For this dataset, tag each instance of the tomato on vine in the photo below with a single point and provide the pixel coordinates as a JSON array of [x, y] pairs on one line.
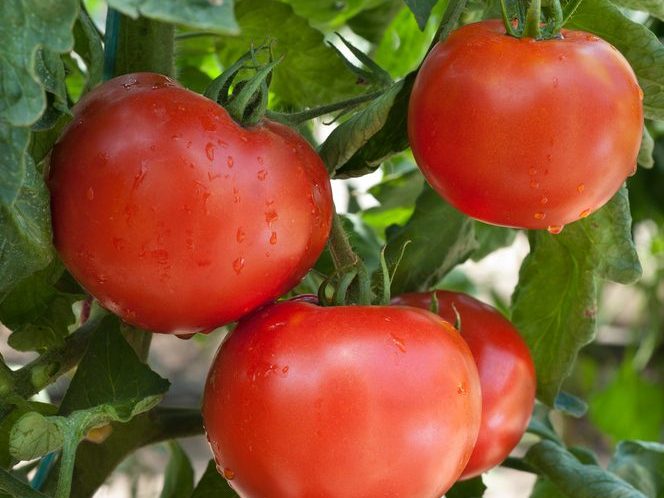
[[507, 373], [347, 402], [174, 216], [521, 132]]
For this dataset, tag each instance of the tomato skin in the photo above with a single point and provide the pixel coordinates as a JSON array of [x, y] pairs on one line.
[[507, 373], [350, 402], [524, 133], [175, 217]]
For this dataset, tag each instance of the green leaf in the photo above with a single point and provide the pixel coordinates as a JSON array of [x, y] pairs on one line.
[[211, 15], [630, 407], [111, 377], [27, 26], [8, 422], [371, 24], [472, 488], [642, 465], [212, 485], [51, 72], [490, 238], [652, 7], [311, 73], [33, 436], [179, 475], [570, 404], [637, 43], [351, 135], [575, 479], [37, 312], [555, 303], [331, 13], [440, 238], [645, 158], [88, 45], [25, 226], [421, 10], [17, 487], [546, 489]]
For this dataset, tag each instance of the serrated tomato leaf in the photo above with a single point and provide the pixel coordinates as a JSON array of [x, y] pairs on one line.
[[110, 375], [555, 303], [652, 7], [421, 9], [637, 43], [640, 463], [214, 16], [25, 226], [575, 479]]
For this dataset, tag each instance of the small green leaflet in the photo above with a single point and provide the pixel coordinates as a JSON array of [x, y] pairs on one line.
[[212, 485], [179, 474], [421, 10], [641, 464]]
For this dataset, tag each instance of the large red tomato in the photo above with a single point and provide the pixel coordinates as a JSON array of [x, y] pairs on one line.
[[525, 133], [507, 374], [350, 402], [174, 216]]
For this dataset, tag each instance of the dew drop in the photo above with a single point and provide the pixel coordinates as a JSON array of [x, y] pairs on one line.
[[262, 174], [236, 195], [238, 265], [285, 369], [633, 171], [544, 200], [229, 161], [240, 235], [640, 93], [260, 160], [554, 229], [584, 213], [271, 216], [273, 238], [229, 474], [399, 343], [461, 389], [555, 82], [209, 151], [549, 157], [539, 215], [90, 194], [532, 171], [534, 184], [580, 188], [561, 57]]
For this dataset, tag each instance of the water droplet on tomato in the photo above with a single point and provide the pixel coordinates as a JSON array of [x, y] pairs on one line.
[[262, 174], [555, 82], [584, 213], [549, 157], [539, 215], [140, 176], [271, 216], [260, 160], [591, 38], [640, 92], [399, 343], [213, 176], [238, 265], [90, 194], [555, 229], [532, 171], [153, 147], [118, 243], [285, 370], [461, 389], [209, 151], [229, 474], [273, 238], [544, 200], [240, 235], [534, 184], [561, 57], [633, 172], [580, 188], [229, 161], [243, 138], [236, 195]]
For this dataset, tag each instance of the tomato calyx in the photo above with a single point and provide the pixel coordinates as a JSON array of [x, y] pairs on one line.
[[537, 19]]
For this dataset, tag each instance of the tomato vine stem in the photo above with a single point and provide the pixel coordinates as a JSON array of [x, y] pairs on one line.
[[532, 25]]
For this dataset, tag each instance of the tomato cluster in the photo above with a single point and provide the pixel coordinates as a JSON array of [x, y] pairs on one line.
[[191, 221]]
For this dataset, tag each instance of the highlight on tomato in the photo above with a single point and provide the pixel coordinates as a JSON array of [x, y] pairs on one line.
[[525, 133], [342, 402], [174, 216], [506, 370]]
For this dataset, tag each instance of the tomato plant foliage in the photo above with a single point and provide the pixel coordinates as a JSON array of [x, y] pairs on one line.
[[54, 53]]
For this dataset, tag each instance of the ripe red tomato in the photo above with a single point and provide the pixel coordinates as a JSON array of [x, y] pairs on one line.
[[507, 374], [350, 402], [525, 133], [175, 217]]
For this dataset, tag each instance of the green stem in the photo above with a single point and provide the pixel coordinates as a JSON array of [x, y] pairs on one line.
[[556, 11], [16, 487], [297, 118], [6, 378], [67, 461], [532, 27], [517, 464], [144, 45], [342, 252]]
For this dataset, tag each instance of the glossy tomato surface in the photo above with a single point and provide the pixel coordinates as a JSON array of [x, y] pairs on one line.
[[175, 217], [525, 133], [507, 373], [350, 402]]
